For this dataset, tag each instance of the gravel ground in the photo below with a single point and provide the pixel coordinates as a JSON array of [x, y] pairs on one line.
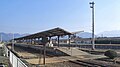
[[63, 64]]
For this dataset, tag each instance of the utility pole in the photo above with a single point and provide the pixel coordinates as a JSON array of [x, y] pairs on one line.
[[93, 37]]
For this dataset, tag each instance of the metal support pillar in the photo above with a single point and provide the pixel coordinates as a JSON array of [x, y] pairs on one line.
[[69, 40], [49, 39], [58, 41]]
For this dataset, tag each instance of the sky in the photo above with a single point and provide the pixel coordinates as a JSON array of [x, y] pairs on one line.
[[31, 16]]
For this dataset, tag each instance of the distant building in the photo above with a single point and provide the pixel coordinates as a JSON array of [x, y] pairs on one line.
[[76, 41], [83, 40]]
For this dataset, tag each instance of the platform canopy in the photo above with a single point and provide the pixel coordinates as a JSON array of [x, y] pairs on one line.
[[48, 33]]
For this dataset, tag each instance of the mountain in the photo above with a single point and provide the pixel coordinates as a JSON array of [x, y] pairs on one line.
[[9, 36], [82, 35], [113, 33]]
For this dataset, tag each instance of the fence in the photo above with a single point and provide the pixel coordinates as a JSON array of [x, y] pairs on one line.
[[14, 60]]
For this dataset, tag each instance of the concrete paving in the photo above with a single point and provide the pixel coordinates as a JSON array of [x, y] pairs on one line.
[[72, 51], [75, 52]]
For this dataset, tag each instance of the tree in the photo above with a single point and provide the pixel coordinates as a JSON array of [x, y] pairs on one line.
[[111, 54]]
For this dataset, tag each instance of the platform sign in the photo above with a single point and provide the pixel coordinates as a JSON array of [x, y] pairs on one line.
[[44, 40]]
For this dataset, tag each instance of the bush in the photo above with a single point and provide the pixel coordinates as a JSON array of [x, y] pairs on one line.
[[111, 54]]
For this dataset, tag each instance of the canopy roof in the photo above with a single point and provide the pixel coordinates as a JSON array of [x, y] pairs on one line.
[[48, 33]]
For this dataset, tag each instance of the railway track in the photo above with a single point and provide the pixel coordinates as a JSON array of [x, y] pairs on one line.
[[83, 64], [108, 60], [93, 63]]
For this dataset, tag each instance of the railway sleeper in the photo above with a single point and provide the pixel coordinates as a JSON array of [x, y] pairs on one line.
[[93, 63], [84, 64]]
